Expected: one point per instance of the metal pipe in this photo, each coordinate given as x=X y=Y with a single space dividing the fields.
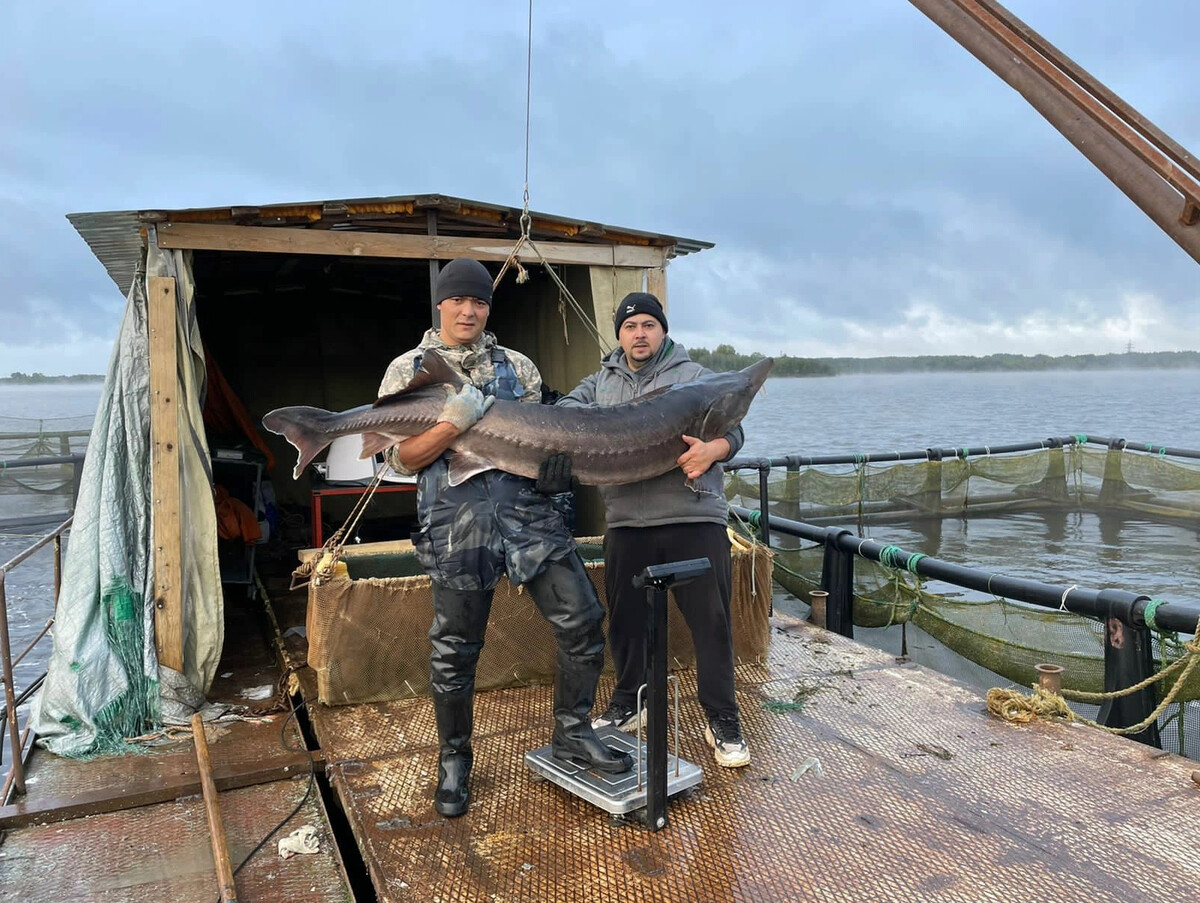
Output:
x=10 y=701
x=1153 y=134
x=45 y=540
x=40 y=462
x=764 y=506
x=1050 y=677
x=1081 y=98
x=36 y=639
x=1135 y=177
x=8 y=782
x=817 y=599
x=921 y=454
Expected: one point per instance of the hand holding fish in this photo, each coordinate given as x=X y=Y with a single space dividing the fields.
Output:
x=464 y=407
x=554 y=475
x=702 y=455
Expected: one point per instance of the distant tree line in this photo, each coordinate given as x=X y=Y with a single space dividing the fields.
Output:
x=1130 y=360
x=725 y=357
x=38 y=378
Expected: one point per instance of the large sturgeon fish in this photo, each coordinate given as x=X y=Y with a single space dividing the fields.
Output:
x=608 y=445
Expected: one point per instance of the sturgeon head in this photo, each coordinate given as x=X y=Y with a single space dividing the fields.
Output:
x=732 y=394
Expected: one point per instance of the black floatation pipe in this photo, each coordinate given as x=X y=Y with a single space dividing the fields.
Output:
x=1133 y=608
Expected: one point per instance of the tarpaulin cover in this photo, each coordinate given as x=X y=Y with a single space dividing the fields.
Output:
x=103 y=677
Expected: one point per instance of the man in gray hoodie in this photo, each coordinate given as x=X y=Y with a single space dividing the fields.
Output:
x=678 y=515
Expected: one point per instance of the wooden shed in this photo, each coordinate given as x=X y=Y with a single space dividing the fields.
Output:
x=307 y=303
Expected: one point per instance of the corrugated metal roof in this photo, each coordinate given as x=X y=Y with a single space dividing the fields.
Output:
x=116 y=237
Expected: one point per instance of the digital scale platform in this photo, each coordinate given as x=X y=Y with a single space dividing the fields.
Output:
x=656 y=774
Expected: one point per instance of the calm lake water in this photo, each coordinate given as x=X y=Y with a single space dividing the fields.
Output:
x=849 y=414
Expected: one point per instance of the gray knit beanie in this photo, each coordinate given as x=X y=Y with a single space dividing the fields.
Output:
x=464 y=278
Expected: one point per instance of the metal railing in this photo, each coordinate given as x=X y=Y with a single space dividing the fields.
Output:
x=15 y=781
x=1128 y=617
x=794 y=462
x=76 y=462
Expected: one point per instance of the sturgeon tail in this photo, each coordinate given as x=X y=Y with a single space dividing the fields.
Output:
x=305 y=428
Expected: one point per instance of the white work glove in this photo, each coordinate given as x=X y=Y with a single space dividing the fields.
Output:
x=464 y=407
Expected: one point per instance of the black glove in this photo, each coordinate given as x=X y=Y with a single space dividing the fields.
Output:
x=554 y=476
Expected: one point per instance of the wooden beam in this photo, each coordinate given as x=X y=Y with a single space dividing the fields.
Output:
x=50 y=810
x=284 y=240
x=212 y=811
x=164 y=472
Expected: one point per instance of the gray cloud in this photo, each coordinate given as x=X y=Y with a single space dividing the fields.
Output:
x=867 y=182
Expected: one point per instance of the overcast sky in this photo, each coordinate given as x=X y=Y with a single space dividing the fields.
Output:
x=871 y=188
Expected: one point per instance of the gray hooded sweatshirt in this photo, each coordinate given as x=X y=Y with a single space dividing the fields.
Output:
x=665 y=499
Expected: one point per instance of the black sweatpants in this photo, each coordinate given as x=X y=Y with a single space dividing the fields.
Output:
x=704 y=604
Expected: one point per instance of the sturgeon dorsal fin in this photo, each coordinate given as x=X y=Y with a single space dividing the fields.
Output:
x=433 y=371
x=464 y=465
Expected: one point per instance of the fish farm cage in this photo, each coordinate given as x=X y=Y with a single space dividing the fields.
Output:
x=912 y=494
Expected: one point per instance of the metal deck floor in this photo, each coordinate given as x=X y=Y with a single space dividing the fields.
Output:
x=159 y=849
x=923 y=797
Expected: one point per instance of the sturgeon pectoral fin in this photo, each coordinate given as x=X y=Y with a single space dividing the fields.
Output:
x=464 y=465
x=373 y=443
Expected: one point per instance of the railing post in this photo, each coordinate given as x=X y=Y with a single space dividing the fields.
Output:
x=764 y=502
x=10 y=698
x=837 y=579
x=1128 y=660
x=76 y=482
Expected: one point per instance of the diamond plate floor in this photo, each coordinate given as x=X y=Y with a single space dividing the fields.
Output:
x=920 y=797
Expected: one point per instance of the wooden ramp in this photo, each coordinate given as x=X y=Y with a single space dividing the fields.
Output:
x=919 y=796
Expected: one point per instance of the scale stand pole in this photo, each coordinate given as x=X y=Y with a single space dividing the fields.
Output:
x=657 y=579
x=656 y=708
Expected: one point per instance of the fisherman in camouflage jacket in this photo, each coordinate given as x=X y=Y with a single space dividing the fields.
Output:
x=472 y=534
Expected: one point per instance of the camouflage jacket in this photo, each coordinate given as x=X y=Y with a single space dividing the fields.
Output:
x=473 y=361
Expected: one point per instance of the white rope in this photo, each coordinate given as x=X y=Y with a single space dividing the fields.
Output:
x=1063 y=604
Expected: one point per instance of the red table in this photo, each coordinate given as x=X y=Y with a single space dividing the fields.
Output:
x=321 y=489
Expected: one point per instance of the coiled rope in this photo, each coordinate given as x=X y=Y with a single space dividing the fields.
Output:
x=1014 y=705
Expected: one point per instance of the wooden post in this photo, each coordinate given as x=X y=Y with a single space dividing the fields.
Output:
x=164 y=472
x=435 y=314
x=656 y=284
x=212 y=809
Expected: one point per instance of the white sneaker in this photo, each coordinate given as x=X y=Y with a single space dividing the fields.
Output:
x=621 y=717
x=724 y=735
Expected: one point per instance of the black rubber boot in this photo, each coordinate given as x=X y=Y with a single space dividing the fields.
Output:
x=574 y=738
x=566 y=597
x=454 y=722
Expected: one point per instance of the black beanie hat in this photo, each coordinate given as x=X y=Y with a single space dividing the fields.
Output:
x=638 y=303
x=464 y=278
